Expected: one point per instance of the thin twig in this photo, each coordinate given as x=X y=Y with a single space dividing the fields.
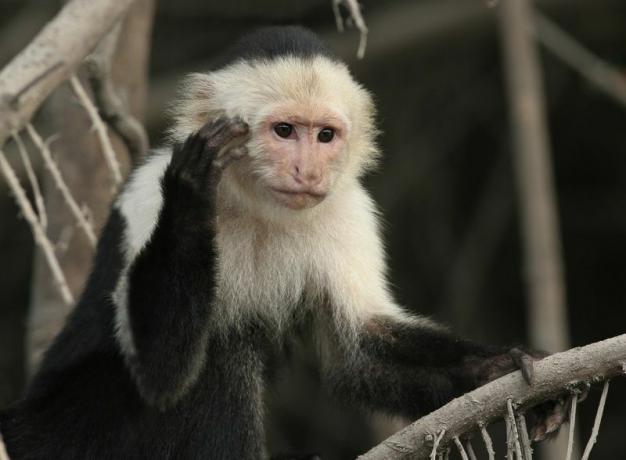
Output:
x=100 y=128
x=572 y=424
x=510 y=450
x=488 y=443
x=565 y=47
x=111 y=108
x=337 y=14
x=470 y=450
x=433 y=453
x=596 y=423
x=61 y=185
x=528 y=450
x=357 y=17
x=38 y=232
x=3 y=450
x=32 y=178
x=460 y=448
x=518 y=448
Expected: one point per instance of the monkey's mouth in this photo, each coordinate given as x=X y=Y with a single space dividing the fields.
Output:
x=310 y=193
x=298 y=199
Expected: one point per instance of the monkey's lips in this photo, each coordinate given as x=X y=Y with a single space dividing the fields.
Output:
x=298 y=198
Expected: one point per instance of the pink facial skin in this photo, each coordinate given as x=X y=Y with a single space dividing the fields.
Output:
x=302 y=150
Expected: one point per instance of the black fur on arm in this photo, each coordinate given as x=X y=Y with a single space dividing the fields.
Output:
x=412 y=368
x=171 y=282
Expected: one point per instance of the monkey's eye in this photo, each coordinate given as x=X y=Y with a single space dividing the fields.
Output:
x=284 y=130
x=326 y=135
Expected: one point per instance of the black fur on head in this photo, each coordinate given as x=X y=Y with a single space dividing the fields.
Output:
x=268 y=43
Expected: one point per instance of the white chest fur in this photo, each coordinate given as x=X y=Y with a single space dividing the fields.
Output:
x=265 y=269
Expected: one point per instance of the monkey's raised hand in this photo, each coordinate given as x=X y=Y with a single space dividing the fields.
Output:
x=197 y=164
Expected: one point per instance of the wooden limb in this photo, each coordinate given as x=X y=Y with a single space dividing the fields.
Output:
x=32 y=178
x=51 y=57
x=598 y=72
x=433 y=451
x=487 y=440
x=71 y=202
x=596 y=424
x=523 y=429
x=3 y=451
x=548 y=324
x=510 y=451
x=38 y=231
x=572 y=424
x=117 y=114
x=470 y=451
x=514 y=432
x=101 y=130
x=460 y=448
x=553 y=375
x=357 y=18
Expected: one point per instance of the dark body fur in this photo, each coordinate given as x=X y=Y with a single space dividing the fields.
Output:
x=188 y=392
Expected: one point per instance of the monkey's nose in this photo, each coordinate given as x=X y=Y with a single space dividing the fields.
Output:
x=306 y=177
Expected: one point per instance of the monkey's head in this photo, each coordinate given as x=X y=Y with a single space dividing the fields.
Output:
x=311 y=124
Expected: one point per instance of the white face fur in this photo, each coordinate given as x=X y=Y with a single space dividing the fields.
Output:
x=311 y=125
x=294 y=223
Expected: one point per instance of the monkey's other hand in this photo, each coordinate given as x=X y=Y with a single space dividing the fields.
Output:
x=545 y=419
x=197 y=164
x=488 y=369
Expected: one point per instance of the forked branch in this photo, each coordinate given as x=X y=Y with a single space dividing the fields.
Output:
x=553 y=376
x=51 y=57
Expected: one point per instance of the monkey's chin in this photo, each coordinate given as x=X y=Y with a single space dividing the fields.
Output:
x=297 y=200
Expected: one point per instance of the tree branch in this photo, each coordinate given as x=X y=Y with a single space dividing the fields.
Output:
x=356 y=17
x=51 y=57
x=3 y=451
x=596 y=424
x=545 y=280
x=112 y=109
x=553 y=375
x=600 y=73
x=101 y=131
x=38 y=231
x=32 y=178
x=60 y=183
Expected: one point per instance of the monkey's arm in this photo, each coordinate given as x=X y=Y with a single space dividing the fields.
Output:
x=166 y=292
x=411 y=368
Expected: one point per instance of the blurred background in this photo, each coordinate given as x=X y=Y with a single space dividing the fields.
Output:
x=446 y=185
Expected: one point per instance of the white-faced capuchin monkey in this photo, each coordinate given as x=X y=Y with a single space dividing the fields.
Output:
x=250 y=226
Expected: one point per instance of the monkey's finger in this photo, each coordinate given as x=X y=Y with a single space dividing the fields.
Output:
x=212 y=127
x=230 y=156
x=525 y=363
x=231 y=130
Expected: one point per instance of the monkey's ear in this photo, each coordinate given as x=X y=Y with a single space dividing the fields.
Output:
x=195 y=107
